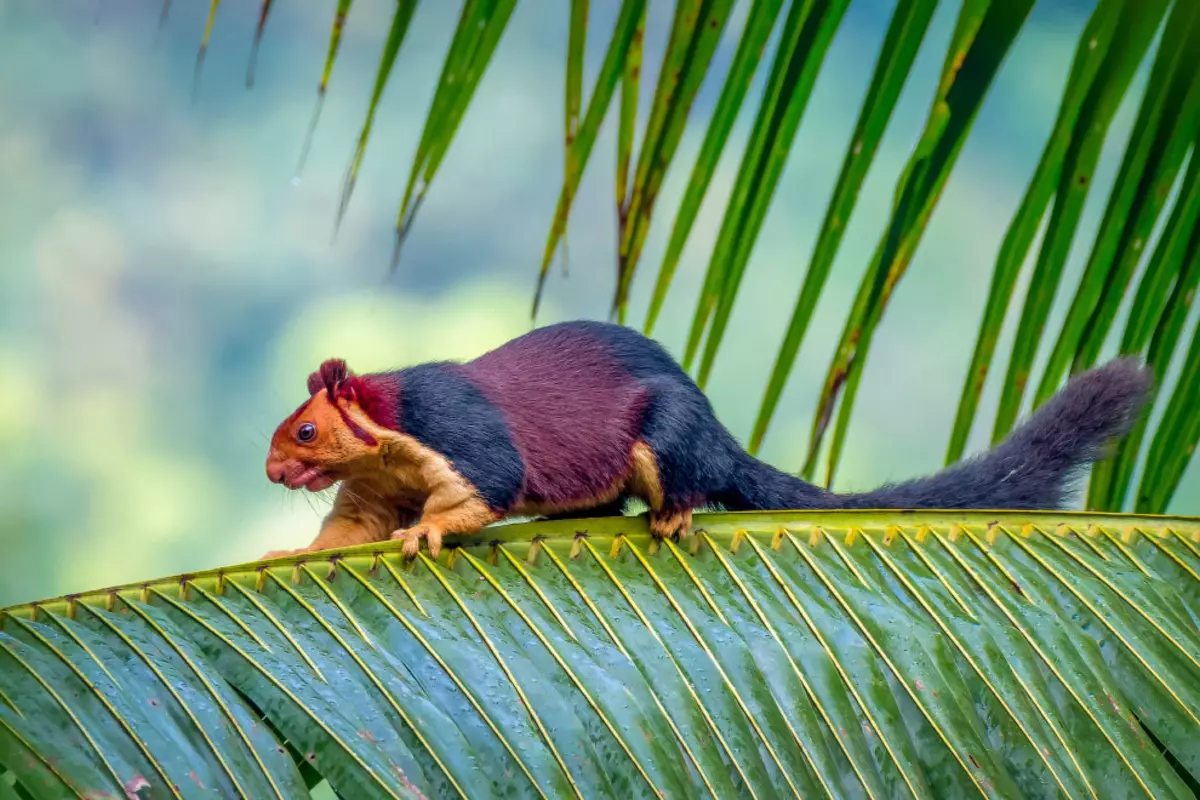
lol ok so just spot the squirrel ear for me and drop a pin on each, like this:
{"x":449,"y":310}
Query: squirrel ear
{"x":329,"y":376}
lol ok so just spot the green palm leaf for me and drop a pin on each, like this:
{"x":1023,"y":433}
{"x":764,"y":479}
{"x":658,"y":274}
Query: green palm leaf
{"x":849,"y":654}
{"x":1135,"y":30}
{"x":625,"y":32}
{"x":807,"y":32}
{"x":983,"y":35}
{"x":905,"y":34}
{"x":1090,"y":54}
{"x":480,"y":27}
{"x":396,"y":33}
{"x":1163,"y":134}
{"x":335,"y":44}
{"x":760,"y":20}
{"x":694,"y":36}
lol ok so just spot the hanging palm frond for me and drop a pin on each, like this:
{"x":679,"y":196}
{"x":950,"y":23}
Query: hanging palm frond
{"x":1121,"y":37}
{"x":846,"y":655}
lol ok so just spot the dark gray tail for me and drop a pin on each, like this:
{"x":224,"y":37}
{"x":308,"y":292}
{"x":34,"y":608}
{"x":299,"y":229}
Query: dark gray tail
{"x":1036,"y":467}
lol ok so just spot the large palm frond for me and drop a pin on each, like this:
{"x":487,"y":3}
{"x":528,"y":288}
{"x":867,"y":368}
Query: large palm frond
{"x":771,"y":655}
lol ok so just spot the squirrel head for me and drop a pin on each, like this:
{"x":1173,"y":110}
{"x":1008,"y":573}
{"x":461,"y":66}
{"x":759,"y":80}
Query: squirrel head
{"x":335,"y":432}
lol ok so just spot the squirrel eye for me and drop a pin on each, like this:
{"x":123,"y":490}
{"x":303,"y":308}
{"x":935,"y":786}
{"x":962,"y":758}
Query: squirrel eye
{"x":307,"y":432}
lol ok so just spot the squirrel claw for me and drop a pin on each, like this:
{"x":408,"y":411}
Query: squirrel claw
{"x":668,"y":525}
{"x":412,"y":540}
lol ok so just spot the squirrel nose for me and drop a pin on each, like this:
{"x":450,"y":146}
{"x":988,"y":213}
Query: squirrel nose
{"x":275,"y":471}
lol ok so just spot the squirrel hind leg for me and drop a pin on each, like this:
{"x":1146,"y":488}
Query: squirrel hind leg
{"x":670,"y":516}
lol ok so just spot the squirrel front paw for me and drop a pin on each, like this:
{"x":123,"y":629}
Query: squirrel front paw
{"x":411,"y":537}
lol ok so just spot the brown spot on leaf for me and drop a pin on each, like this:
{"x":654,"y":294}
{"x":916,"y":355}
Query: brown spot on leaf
{"x":135,"y":785}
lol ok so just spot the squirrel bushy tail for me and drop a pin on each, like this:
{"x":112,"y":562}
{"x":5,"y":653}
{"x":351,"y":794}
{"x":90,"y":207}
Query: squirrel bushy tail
{"x":1035,"y":467}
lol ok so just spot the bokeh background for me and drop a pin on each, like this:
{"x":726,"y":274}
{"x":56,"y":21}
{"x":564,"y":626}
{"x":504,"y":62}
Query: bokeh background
{"x":167,"y":281}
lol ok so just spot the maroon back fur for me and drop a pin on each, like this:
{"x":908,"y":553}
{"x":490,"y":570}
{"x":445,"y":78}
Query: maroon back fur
{"x":571,"y":408}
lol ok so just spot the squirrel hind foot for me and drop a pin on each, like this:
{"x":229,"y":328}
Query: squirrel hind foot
{"x":668,"y":524}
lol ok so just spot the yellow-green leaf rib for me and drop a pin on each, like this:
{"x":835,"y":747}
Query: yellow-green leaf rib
{"x":204,"y":681}
{"x":118,"y":717}
{"x":927,"y":707}
{"x":700,"y":640}
{"x":640,"y":613}
{"x":601,"y":619}
{"x":537,"y":589}
{"x":869,"y":786}
{"x":384,"y":786}
{"x":69,"y":631}
{"x":372,"y":678}
{"x":1117,"y":734}
{"x":500,"y":662}
{"x":1182,"y":641}
{"x":1020,"y":714}
{"x":913,"y":781}
{"x":1036,"y":694}
{"x":38,"y":760}
{"x":459,"y":683}
{"x":8,"y":701}
{"x":562,"y":664}
{"x":9,"y":646}
{"x":278,"y":625}
{"x":217,"y":603}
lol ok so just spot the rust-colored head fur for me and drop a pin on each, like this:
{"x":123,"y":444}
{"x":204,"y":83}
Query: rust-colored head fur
{"x":320,"y":443}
